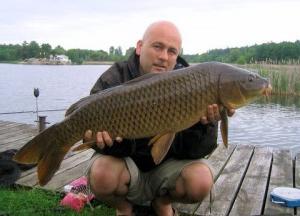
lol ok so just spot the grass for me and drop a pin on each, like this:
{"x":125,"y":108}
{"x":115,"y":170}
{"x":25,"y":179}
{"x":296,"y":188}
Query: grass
{"x":22,"y":201}
{"x":285,"y":79}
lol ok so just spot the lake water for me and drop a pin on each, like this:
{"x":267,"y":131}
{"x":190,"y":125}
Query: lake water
{"x":272,"y":123}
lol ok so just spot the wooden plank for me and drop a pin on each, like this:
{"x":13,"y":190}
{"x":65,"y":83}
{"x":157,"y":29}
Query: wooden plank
{"x":15,"y":144}
{"x":5,"y":123}
{"x":15,"y":129}
{"x":20,"y":130}
{"x":15,"y":138}
{"x":251,"y":196}
{"x":217,"y":160}
{"x":228,"y":183}
{"x":15,"y":135}
{"x":281,"y":175}
{"x":9,"y":126}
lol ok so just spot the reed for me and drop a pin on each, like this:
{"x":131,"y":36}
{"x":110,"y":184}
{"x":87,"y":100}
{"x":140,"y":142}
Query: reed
{"x":285,"y":78}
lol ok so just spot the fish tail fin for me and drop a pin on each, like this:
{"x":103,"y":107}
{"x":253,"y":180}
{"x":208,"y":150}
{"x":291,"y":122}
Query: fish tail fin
{"x":50,"y":163}
{"x":45,"y":150}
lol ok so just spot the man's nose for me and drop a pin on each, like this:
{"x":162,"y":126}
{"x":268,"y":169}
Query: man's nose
{"x":164,"y":54}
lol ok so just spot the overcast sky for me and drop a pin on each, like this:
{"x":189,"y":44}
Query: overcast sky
{"x":96,"y":24}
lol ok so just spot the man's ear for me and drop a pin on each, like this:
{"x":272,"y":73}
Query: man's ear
{"x":138,"y":48}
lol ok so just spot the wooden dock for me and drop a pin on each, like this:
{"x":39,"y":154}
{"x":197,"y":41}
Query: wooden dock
{"x":245,"y":175}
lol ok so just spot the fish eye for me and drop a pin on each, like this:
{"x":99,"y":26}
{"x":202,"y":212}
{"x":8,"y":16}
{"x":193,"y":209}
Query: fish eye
{"x":251,"y":78}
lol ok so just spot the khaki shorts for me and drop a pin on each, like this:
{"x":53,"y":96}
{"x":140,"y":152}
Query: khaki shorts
{"x":145,"y":186}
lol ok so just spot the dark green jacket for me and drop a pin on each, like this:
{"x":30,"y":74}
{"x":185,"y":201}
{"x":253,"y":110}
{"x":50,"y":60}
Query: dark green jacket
{"x":192,"y":143}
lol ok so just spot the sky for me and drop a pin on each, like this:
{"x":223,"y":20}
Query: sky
{"x":99,"y":24}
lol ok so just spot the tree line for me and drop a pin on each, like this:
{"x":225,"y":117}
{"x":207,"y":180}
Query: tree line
{"x":11,"y":53}
{"x":279,"y":53}
{"x":274,"y":52}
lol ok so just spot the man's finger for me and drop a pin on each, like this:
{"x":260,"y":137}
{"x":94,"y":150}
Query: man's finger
{"x":210,"y":113}
{"x":107,"y":139}
{"x":119,"y":139}
{"x":216,"y":111}
{"x":88,"y":135}
{"x":99,"y":140}
{"x":203,"y":120}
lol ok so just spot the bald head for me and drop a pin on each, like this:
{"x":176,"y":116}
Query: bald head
{"x":159,"y":48}
{"x":164,"y":28}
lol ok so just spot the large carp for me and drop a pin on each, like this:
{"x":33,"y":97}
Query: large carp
{"x":154,"y":105}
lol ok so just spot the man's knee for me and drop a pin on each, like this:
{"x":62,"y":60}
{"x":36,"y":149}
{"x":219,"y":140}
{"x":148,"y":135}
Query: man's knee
{"x":109,"y":175}
{"x":196,"y":181}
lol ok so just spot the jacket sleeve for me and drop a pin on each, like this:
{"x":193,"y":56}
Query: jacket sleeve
{"x":195,"y":142}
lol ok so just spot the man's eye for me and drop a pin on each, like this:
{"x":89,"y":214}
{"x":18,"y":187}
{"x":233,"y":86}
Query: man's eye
{"x":173,"y":52}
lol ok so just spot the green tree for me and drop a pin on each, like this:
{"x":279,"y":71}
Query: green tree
{"x":33,"y":50}
{"x":129,"y":51}
{"x":25,"y":50}
{"x":75,"y":55}
{"x":46,"y":50}
{"x":111,"y":51}
{"x":58,"y":50}
{"x":118,"y":51}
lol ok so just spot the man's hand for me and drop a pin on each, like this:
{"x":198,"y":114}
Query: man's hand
{"x":102,"y":138}
{"x":213,"y":114}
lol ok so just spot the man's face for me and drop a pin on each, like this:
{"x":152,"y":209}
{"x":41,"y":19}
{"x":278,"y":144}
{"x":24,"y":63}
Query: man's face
{"x":158,"y":51}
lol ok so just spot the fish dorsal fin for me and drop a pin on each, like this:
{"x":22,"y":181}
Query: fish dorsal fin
{"x":141,"y":78}
{"x":160,"y":146}
{"x":224,"y":126}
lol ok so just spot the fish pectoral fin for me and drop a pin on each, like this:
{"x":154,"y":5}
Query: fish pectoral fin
{"x":160,"y":146}
{"x":85,"y":146}
{"x":224,"y":126}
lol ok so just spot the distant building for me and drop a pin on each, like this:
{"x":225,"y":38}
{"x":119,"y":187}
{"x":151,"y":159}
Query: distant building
{"x":60,"y":59}
{"x":53,"y":60}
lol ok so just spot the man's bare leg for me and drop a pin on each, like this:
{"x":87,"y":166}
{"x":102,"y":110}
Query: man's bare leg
{"x":109,"y":180}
